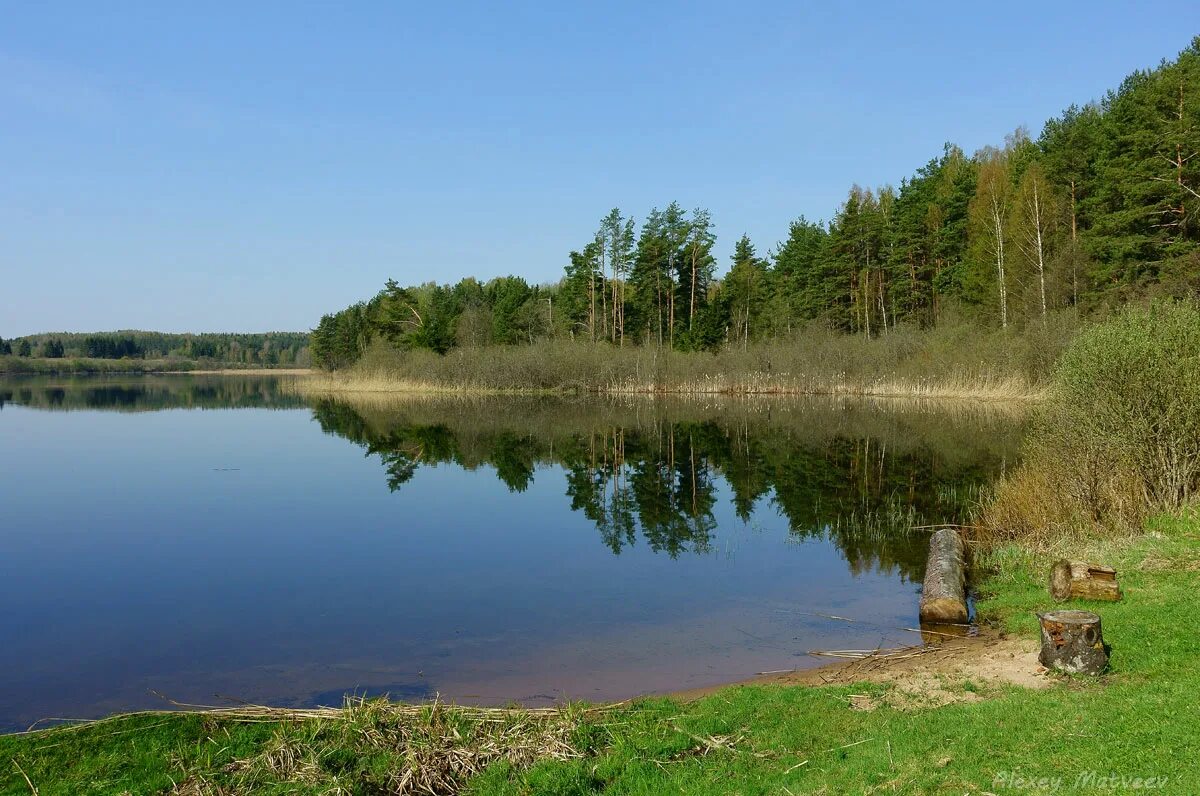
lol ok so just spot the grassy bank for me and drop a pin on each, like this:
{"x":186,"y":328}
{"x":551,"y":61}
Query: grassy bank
{"x":951,"y":361}
{"x":1136,"y":721}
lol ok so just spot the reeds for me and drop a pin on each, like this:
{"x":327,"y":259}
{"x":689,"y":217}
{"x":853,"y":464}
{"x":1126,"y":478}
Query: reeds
{"x":950,"y":362}
{"x":983,"y":387}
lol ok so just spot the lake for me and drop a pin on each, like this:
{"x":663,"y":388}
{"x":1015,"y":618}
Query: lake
{"x":209,"y":539}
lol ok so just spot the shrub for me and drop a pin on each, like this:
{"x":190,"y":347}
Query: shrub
{"x":1118,"y":437}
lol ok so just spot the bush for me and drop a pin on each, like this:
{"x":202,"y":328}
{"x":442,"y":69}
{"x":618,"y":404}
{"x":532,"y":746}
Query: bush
{"x":1119,"y":436}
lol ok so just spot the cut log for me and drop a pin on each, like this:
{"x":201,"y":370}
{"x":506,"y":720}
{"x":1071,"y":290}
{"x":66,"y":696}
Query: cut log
{"x":944,"y":595}
{"x":1073,"y":642}
{"x":1082,"y":581}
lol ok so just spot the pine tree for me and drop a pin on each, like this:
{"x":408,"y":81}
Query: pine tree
{"x":576,"y":303}
{"x":798,"y":280}
{"x":695,"y":268}
{"x":617,"y":242}
{"x":745,"y":290}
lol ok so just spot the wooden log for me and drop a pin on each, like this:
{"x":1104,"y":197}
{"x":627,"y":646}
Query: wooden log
{"x":1073,"y":642}
{"x":944,"y":595}
{"x":1082,"y":581}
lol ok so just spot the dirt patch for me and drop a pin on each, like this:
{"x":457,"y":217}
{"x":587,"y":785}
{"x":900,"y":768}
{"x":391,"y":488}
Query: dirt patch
{"x":955,"y":670}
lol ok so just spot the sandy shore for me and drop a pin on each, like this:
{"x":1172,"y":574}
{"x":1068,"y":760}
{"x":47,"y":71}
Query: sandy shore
{"x":921,"y":676}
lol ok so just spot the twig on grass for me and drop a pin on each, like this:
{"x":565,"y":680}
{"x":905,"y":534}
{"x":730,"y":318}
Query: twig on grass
{"x":32,"y":788}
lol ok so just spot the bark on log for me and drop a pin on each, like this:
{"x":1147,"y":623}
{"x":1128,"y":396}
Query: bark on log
{"x":944,"y":595}
{"x":1072,"y":642}
{"x":1082,"y":581}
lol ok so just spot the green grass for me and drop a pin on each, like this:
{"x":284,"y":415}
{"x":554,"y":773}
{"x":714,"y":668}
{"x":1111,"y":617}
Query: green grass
{"x":1139,"y":720}
{"x":137,"y":754}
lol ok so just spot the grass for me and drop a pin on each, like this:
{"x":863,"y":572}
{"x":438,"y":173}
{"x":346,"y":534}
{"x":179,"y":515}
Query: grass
{"x":1139,"y":720}
{"x":950,"y":361}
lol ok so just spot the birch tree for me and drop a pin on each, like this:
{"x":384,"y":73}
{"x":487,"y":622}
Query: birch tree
{"x":988,"y":218}
{"x":1035,"y":211}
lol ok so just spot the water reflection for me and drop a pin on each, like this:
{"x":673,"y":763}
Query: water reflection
{"x":147,"y":393}
{"x":485,"y":550}
{"x":868,"y":477}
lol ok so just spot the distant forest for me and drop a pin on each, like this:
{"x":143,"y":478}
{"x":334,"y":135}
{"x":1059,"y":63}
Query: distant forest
{"x":1101,"y":208}
{"x":270,"y":348}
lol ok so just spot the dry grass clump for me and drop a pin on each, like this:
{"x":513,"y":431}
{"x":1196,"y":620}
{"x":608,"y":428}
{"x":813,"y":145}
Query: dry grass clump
{"x":1118,"y":438}
{"x":376,"y":746}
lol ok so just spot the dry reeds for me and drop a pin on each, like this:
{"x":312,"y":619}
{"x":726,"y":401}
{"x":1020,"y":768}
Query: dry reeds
{"x":951,"y":362}
{"x":377,"y":746}
{"x":430,"y":749}
{"x":984,"y":388}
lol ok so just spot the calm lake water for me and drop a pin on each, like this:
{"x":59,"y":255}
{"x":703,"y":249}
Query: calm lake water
{"x":210,"y":539}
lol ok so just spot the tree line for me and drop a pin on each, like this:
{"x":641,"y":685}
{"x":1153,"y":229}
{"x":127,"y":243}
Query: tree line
{"x":1101,"y":208}
{"x":270,"y":348}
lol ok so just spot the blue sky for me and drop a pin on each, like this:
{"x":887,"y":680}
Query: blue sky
{"x":250,"y":166}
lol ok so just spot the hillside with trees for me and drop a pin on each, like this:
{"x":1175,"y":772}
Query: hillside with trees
{"x":1099,"y":209}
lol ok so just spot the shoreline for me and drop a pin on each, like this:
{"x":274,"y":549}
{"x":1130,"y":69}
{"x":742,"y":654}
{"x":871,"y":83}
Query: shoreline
{"x":951,"y":717}
{"x":1007,"y":391}
{"x":257,"y":371}
{"x":990,"y":658}
{"x":239,"y":372}
{"x":312,"y":382}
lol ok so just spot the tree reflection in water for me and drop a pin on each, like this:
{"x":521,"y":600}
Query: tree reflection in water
{"x":866,"y":476}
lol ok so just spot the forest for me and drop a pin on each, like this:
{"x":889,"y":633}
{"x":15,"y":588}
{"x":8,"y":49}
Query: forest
{"x":1100,"y":209}
{"x":267,"y":349}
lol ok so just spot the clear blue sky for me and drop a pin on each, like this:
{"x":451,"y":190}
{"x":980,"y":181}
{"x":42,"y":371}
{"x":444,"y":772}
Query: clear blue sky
{"x":249,"y":166}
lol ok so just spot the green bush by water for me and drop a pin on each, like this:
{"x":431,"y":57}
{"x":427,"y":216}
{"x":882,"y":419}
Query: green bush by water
{"x":1119,"y":436}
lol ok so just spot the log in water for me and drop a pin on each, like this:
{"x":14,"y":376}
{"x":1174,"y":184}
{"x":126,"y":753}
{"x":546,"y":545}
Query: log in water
{"x":944,"y":595}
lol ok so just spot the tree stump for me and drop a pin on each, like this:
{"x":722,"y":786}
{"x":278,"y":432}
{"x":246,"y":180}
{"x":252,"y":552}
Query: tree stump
{"x":1072,"y":642}
{"x":1082,"y":581}
{"x":944,"y":595}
